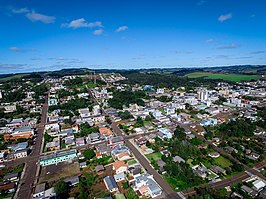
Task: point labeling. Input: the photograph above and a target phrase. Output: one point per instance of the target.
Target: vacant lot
(222, 162)
(229, 77)
(54, 173)
(155, 156)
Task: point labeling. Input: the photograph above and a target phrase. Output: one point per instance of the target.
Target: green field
(155, 156)
(222, 162)
(229, 77)
(12, 77)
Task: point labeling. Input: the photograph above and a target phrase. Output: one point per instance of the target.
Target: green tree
(180, 133)
(89, 154)
(47, 137)
(61, 189)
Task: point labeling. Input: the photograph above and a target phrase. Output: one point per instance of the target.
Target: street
(146, 165)
(27, 182)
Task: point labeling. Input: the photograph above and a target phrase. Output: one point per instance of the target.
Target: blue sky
(39, 35)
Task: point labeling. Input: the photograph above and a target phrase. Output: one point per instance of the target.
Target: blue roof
(110, 182)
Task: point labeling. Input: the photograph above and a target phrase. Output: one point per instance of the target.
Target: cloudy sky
(39, 35)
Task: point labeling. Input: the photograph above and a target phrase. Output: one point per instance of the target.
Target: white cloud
(20, 50)
(19, 10)
(98, 32)
(225, 17)
(34, 16)
(121, 28)
(211, 41)
(231, 46)
(82, 23)
(15, 49)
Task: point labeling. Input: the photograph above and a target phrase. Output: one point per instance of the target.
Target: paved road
(229, 181)
(27, 182)
(143, 161)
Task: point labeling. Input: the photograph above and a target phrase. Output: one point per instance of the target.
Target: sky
(38, 35)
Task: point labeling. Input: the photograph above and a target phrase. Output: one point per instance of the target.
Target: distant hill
(242, 69)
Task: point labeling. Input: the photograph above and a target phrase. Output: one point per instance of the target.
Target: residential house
(146, 186)
(21, 153)
(178, 159)
(124, 156)
(140, 141)
(106, 132)
(164, 133)
(39, 191)
(80, 141)
(11, 177)
(218, 170)
(99, 169)
(85, 112)
(110, 184)
(115, 141)
(94, 138)
(72, 181)
(103, 149)
(120, 177)
(214, 155)
(8, 187)
(119, 167)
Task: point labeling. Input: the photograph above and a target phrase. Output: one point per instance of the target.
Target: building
(21, 153)
(85, 112)
(202, 95)
(164, 133)
(259, 185)
(24, 132)
(58, 157)
(39, 191)
(119, 167)
(214, 155)
(145, 185)
(120, 177)
(8, 187)
(105, 131)
(110, 184)
(11, 177)
(52, 102)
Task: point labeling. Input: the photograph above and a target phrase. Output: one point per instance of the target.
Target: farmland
(229, 77)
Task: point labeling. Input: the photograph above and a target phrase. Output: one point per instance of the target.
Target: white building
(203, 95)
(164, 133)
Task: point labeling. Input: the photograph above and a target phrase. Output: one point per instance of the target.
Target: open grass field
(229, 77)
(222, 162)
(3, 79)
(155, 156)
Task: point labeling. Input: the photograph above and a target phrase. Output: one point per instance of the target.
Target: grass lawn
(222, 162)
(174, 183)
(229, 77)
(207, 164)
(156, 156)
(189, 161)
(131, 162)
(120, 196)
